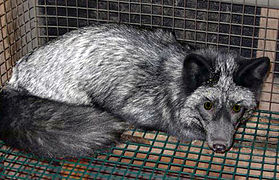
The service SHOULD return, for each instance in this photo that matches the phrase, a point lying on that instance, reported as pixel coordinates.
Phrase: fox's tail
(53, 129)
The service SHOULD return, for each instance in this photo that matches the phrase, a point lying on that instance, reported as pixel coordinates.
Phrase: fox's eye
(236, 108)
(208, 105)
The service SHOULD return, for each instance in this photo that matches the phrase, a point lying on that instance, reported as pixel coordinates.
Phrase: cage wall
(249, 29)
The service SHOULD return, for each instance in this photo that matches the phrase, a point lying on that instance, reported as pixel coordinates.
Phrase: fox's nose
(219, 148)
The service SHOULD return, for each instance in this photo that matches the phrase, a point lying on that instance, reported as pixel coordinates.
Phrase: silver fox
(148, 79)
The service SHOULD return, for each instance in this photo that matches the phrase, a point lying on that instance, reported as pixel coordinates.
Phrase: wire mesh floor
(158, 156)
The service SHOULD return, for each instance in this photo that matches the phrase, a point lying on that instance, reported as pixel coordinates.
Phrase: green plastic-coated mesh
(158, 156)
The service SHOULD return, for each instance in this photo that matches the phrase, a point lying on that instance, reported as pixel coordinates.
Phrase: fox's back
(107, 56)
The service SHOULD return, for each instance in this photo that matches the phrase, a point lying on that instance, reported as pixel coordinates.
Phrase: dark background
(201, 23)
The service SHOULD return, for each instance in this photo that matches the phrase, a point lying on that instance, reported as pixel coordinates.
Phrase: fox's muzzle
(220, 133)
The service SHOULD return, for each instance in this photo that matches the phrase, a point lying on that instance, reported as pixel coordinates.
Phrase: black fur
(52, 129)
(251, 73)
(197, 71)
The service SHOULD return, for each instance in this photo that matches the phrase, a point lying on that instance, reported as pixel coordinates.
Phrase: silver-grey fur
(147, 78)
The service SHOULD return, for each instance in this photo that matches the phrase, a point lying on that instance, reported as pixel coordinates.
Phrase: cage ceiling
(250, 27)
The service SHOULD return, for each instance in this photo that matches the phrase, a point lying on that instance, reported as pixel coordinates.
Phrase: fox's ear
(196, 70)
(251, 73)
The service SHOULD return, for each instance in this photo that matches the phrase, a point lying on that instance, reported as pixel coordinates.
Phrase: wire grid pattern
(250, 30)
(17, 35)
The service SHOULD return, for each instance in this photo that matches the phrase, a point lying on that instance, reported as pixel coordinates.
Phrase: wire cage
(250, 27)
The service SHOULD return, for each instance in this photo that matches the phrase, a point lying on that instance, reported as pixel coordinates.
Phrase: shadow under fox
(148, 79)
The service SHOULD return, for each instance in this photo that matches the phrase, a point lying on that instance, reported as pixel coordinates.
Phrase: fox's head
(223, 91)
